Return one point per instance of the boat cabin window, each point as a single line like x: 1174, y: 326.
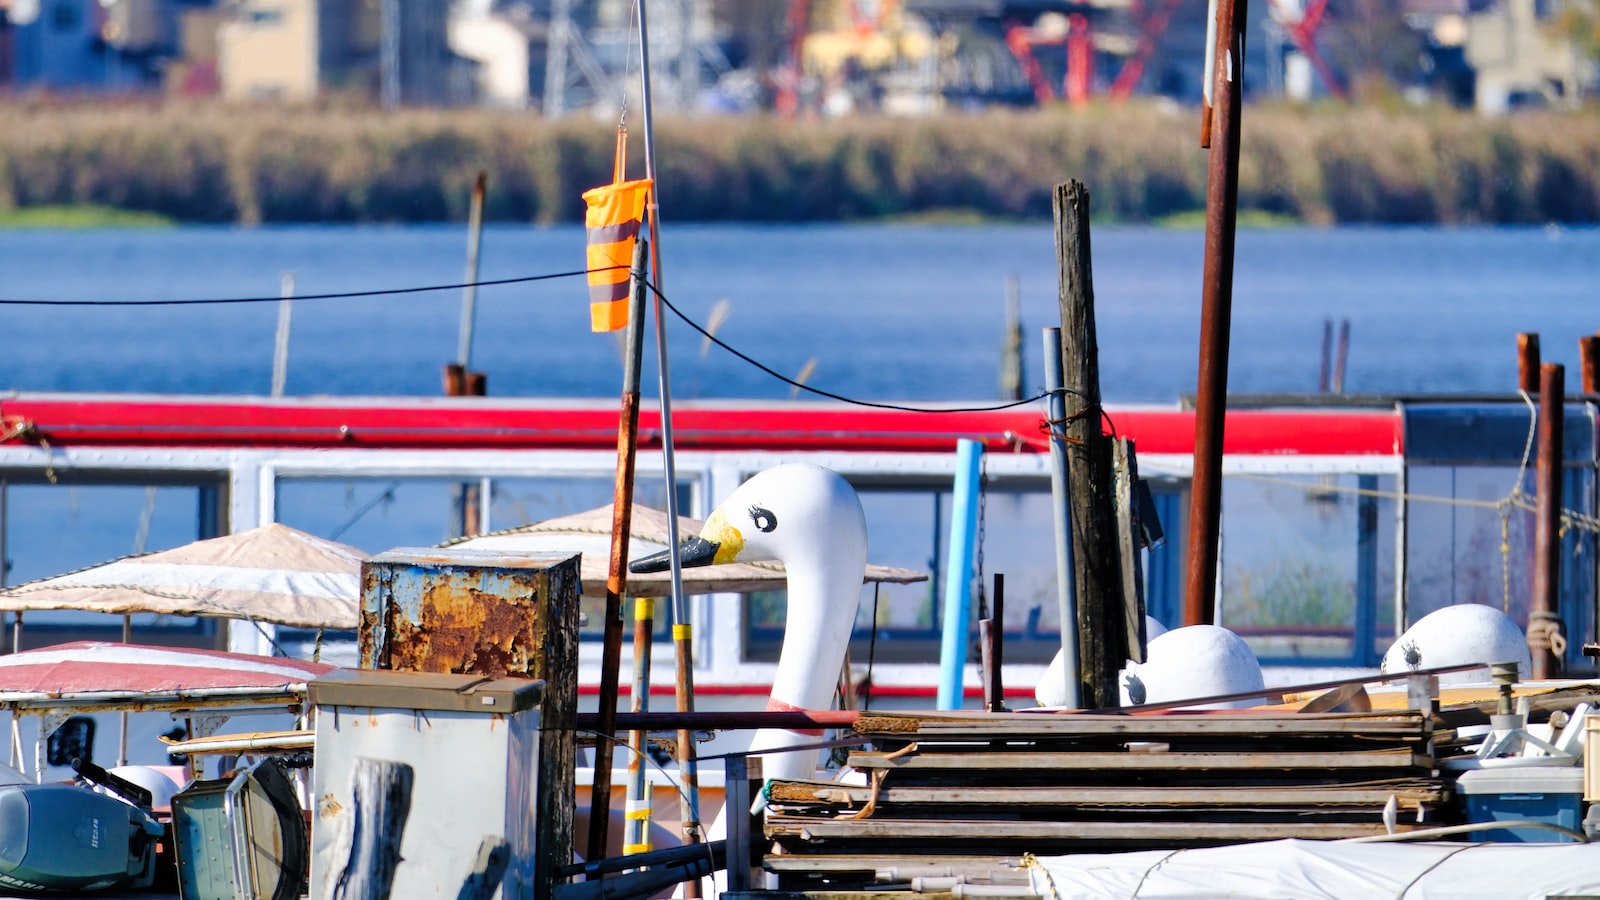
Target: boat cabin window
x: 1465, y: 548
x: 1304, y: 560
x: 52, y: 529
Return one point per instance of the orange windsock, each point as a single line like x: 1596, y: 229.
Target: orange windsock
x: 614, y: 214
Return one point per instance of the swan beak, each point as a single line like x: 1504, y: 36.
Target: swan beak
x: 695, y: 551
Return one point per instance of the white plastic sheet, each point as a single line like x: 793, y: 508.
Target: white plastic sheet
x: 1320, y: 870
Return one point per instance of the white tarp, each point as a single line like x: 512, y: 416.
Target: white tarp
x: 269, y: 574
x: 1324, y: 870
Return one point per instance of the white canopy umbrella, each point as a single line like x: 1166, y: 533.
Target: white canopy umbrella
x: 271, y: 574
x: 589, y: 533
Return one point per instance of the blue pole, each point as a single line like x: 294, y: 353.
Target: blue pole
x: 958, y: 573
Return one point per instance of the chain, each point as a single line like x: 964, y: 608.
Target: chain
x: 1505, y: 558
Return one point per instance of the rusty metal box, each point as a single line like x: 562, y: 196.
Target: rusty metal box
x: 491, y: 613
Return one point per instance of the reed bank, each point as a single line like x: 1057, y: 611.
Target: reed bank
x: 250, y: 165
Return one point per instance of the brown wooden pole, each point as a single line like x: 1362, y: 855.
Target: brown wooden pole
x: 1102, y: 639
x: 617, y: 577
x: 1528, y: 362
x: 1589, y: 363
x: 1216, y: 315
x: 1544, y: 620
x: 991, y: 632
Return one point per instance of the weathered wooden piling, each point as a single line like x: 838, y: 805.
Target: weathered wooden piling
x: 1102, y: 639
x: 1544, y: 622
x: 991, y: 636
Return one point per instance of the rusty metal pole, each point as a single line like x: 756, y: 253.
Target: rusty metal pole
x: 617, y: 575
x: 1544, y: 620
x: 1589, y: 363
x: 1528, y: 362
x: 1221, y: 133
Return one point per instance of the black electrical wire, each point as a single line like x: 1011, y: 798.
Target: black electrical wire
x: 829, y: 394
x: 217, y: 301
x: 526, y: 279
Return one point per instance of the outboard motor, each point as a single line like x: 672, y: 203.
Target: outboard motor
x: 61, y: 837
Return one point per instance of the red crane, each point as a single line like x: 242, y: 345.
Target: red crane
x: 1303, y: 32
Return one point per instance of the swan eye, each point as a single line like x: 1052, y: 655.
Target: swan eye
x: 763, y: 518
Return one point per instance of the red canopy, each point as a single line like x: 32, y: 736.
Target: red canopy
x: 99, y: 667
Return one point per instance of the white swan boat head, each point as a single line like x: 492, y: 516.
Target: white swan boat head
x: 810, y: 519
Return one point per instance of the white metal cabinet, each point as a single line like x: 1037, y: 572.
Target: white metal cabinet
x: 472, y: 743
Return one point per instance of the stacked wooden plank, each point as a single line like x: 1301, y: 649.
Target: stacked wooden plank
x: 992, y: 786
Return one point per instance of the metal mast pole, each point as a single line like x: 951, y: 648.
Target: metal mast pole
x: 1220, y: 132
x: 682, y: 630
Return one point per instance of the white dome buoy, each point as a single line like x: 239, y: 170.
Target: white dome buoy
x: 1194, y: 661
x: 1456, y: 635
x: 1052, y: 688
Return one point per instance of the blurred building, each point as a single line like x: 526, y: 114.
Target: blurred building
x: 299, y: 50
x: 1517, y: 63
x: 802, y: 57
x: 84, y: 45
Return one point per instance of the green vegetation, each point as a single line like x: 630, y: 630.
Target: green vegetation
x: 1248, y: 218
x: 1142, y: 163
x: 1291, y: 593
x: 80, y: 217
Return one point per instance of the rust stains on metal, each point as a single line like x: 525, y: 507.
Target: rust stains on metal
x: 329, y: 808
x: 465, y: 630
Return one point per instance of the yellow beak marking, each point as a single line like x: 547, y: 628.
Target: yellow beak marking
x: 727, y: 538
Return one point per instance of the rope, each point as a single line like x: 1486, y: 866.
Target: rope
x: 871, y: 805
x: 28, y: 431
x: 1545, y: 633
x: 1032, y: 864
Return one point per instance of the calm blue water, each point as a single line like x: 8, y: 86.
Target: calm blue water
x: 886, y: 311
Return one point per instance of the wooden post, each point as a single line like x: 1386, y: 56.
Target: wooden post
x: 1102, y: 639
x: 617, y: 574
x: 382, y: 796
x: 1589, y: 362
x: 991, y: 636
x: 466, y: 498
x: 1130, y: 542
x: 469, y: 295
x: 1528, y: 362
x: 1341, y: 357
x: 1544, y: 621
